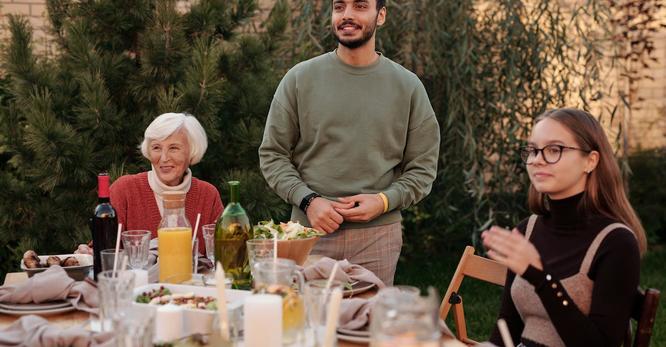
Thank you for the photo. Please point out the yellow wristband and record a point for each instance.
(385, 199)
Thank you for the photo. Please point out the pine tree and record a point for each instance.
(120, 64)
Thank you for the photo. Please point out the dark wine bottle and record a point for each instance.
(104, 223)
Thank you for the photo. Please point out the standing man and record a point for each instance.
(350, 140)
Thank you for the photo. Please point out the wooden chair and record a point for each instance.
(474, 266)
(644, 312)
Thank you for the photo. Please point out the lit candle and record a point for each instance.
(332, 317)
(263, 320)
(221, 302)
(168, 323)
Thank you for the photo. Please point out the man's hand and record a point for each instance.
(511, 249)
(368, 207)
(323, 216)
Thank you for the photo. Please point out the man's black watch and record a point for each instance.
(307, 200)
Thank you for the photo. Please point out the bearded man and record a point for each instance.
(350, 140)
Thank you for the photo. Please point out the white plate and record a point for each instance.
(38, 312)
(359, 333)
(35, 307)
(358, 339)
(358, 288)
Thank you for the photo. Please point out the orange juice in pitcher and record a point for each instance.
(174, 237)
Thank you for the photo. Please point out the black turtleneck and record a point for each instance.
(562, 238)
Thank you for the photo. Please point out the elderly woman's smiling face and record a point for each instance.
(170, 157)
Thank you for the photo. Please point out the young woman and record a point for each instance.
(574, 265)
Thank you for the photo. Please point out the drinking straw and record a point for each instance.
(275, 250)
(332, 317)
(196, 227)
(504, 331)
(221, 301)
(332, 276)
(115, 257)
(194, 237)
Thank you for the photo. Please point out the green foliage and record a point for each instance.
(648, 192)
(120, 64)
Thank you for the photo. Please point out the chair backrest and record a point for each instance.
(474, 266)
(644, 312)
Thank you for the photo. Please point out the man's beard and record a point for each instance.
(356, 43)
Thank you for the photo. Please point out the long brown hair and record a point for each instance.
(604, 191)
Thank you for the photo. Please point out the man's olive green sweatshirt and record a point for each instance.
(340, 130)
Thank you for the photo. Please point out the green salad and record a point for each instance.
(284, 231)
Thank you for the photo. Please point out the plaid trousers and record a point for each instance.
(375, 248)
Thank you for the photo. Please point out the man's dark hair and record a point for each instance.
(380, 4)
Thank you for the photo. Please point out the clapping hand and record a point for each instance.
(511, 248)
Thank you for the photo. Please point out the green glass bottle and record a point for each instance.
(232, 230)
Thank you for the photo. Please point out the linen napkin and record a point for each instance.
(35, 331)
(347, 273)
(354, 313)
(52, 284)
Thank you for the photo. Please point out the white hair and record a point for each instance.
(169, 123)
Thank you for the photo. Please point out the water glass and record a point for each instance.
(317, 298)
(136, 244)
(401, 318)
(136, 329)
(259, 250)
(115, 296)
(108, 256)
(209, 237)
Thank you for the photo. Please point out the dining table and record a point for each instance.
(81, 318)
(76, 318)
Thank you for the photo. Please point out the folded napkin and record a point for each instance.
(347, 272)
(354, 313)
(52, 284)
(36, 331)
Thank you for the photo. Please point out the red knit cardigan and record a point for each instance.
(137, 209)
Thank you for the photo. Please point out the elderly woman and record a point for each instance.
(172, 142)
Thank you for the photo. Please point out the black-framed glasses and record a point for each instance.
(551, 154)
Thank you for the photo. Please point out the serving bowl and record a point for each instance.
(78, 272)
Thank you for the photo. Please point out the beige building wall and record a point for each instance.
(647, 128)
(35, 12)
(647, 125)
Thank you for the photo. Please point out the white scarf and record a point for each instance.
(158, 186)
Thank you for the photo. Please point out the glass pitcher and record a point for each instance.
(406, 319)
(283, 278)
(174, 239)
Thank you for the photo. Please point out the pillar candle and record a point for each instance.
(263, 320)
(168, 323)
(332, 317)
